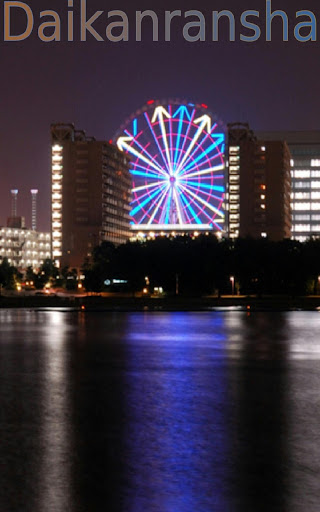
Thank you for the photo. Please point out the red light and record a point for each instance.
(203, 105)
(150, 102)
(110, 141)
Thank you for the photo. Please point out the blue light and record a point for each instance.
(135, 127)
(145, 202)
(176, 166)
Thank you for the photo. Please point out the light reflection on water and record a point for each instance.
(170, 412)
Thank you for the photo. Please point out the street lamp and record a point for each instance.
(232, 283)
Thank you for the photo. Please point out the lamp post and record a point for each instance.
(232, 283)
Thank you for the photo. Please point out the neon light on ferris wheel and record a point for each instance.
(177, 168)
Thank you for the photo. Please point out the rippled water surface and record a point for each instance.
(168, 412)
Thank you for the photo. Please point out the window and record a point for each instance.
(315, 162)
(302, 227)
(301, 184)
(301, 174)
(315, 184)
(301, 206)
(315, 206)
(315, 195)
(302, 195)
(302, 218)
(315, 174)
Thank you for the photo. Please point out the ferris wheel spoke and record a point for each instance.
(189, 207)
(193, 164)
(146, 201)
(176, 200)
(148, 186)
(143, 149)
(218, 142)
(205, 203)
(201, 209)
(168, 207)
(140, 197)
(158, 206)
(207, 192)
(145, 174)
(159, 114)
(190, 174)
(206, 187)
(185, 136)
(157, 143)
(123, 144)
(204, 122)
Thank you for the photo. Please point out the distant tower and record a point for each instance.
(34, 194)
(14, 201)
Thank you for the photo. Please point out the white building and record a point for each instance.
(24, 247)
(305, 178)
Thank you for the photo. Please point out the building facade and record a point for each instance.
(258, 186)
(305, 172)
(24, 248)
(91, 194)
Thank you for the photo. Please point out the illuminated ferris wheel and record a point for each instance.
(177, 165)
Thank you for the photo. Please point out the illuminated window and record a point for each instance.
(301, 206)
(301, 174)
(302, 227)
(315, 162)
(302, 195)
(315, 184)
(302, 218)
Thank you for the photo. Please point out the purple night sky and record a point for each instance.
(97, 85)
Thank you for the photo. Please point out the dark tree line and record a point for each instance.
(204, 265)
(47, 273)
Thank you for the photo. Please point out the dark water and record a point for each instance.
(177, 412)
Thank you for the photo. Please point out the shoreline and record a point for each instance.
(168, 304)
